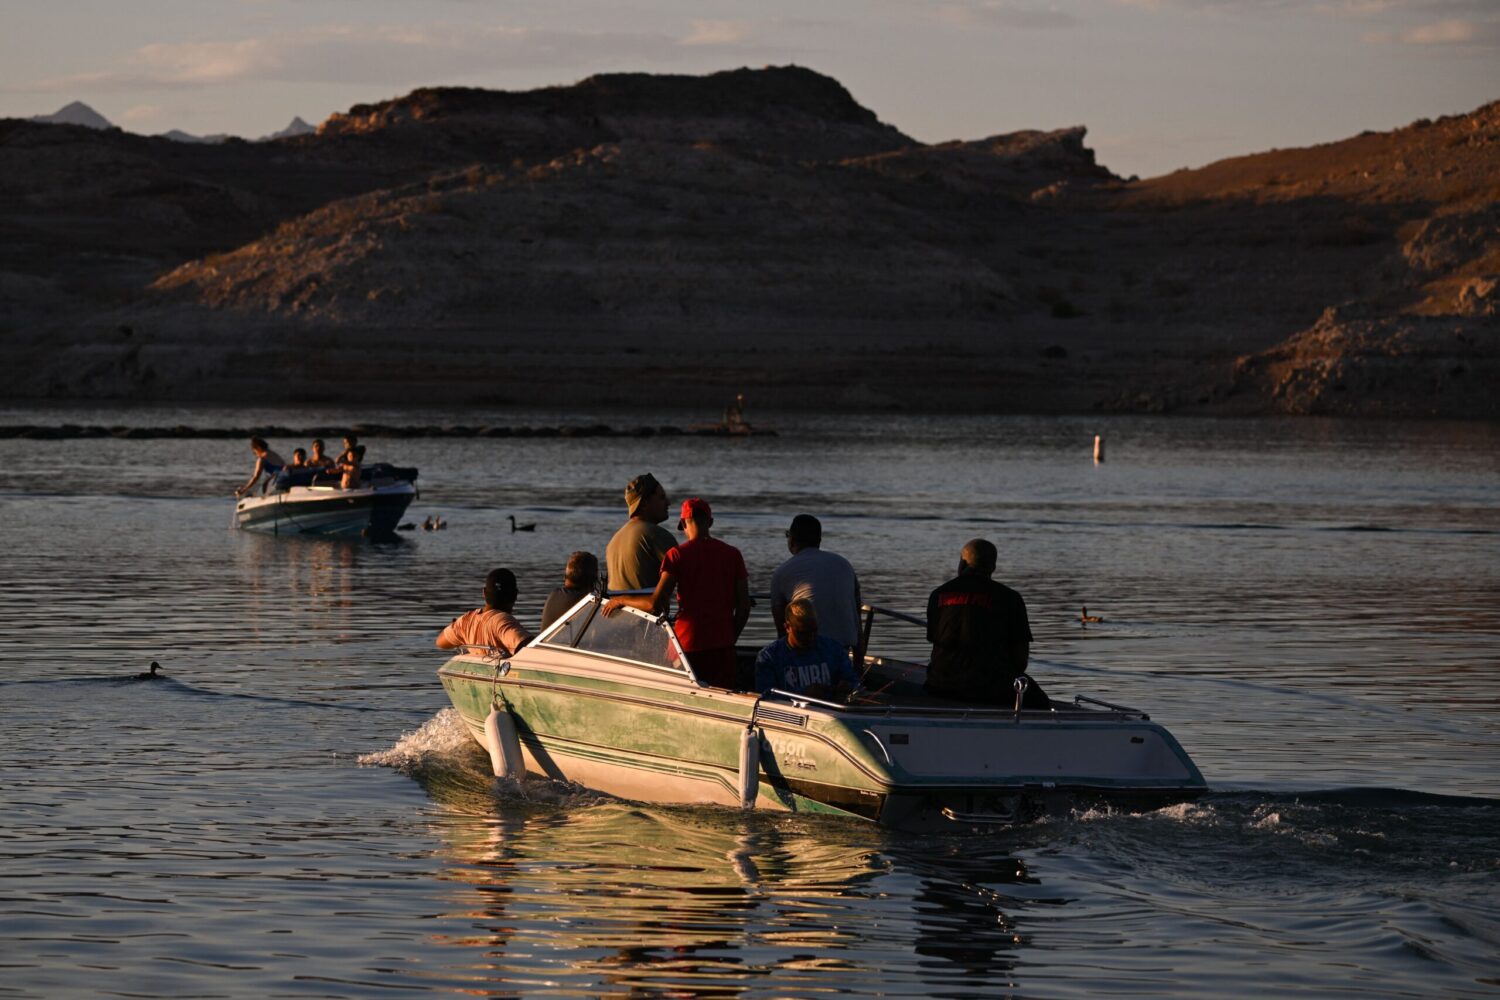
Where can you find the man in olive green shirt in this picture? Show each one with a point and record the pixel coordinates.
(633, 558)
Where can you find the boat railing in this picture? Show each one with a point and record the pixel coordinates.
(490, 654)
(871, 610)
(1080, 700)
(1059, 712)
(805, 700)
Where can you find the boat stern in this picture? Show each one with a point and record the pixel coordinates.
(987, 767)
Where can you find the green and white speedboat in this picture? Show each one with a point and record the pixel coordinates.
(612, 704)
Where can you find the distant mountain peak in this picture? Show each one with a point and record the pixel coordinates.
(178, 135)
(296, 128)
(76, 113)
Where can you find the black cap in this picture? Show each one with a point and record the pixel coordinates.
(499, 586)
(806, 531)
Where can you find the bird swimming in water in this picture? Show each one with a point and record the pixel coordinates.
(519, 527)
(1085, 618)
(151, 675)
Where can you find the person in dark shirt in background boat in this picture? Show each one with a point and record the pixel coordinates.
(299, 459)
(267, 463)
(713, 596)
(579, 580)
(492, 626)
(633, 557)
(804, 662)
(980, 635)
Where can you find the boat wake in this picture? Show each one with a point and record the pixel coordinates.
(443, 758)
(440, 740)
(1357, 832)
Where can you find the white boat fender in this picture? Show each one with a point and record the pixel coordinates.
(750, 761)
(502, 740)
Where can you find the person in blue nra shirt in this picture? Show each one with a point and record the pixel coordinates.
(804, 662)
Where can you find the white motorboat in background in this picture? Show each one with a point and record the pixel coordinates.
(305, 503)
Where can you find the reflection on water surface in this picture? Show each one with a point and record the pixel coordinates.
(1312, 607)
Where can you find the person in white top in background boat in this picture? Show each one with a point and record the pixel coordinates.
(267, 463)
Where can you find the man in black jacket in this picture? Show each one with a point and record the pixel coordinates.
(980, 635)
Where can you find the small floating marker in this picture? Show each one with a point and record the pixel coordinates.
(1098, 448)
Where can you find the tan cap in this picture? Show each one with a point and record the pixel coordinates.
(638, 489)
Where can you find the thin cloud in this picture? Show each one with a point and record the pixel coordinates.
(143, 114)
(1453, 34)
(1337, 9)
(724, 34)
(1449, 32)
(391, 54)
(1000, 14)
(1471, 25)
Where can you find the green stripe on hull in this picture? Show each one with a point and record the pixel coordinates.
(725, 781)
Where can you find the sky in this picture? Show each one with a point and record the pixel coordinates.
(1160, 84)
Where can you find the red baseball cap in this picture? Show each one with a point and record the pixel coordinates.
(694, 509)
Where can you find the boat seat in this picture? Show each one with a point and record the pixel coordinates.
(380, 472)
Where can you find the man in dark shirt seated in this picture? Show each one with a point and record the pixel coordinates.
(580, 577)
(980, 635)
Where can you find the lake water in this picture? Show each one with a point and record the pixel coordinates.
(1312, 607)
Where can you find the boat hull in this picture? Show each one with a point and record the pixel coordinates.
(327, 511)
(641, 736)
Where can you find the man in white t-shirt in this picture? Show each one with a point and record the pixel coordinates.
(825, 579)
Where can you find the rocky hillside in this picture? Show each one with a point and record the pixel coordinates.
(788, 112)
(1418, 332)
(758, 231)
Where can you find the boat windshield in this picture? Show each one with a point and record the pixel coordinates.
(626, 635)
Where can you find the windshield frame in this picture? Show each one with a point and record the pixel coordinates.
(593, 603)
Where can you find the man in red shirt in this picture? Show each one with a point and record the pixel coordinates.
(713, 596)
(491, 627)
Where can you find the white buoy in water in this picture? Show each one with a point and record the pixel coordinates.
(504, 745)
(1098, 448)
(749, 766)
